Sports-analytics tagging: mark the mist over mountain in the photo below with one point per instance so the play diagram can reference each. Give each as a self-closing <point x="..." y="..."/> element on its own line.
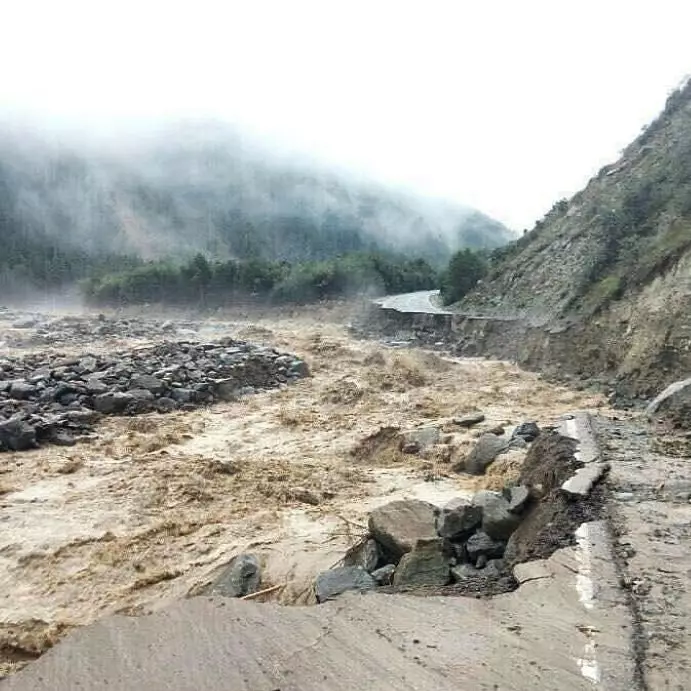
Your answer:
<point x="194" y="187"/>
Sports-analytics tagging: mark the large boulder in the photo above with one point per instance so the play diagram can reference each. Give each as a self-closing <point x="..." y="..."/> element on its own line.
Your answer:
<point x="17" y="435"/>
<point x="112" y="402"/>
<point x="674" y="402"/>
<point x="241" y="577"/>
<point x="458" y="518"/>
<point x="22" y="390"/>
<point x="528" y="431"/>
<point x="397" y="526"/>
<point x="333" y="582"/>
<point x="150" y="383"/>
<point x="498" y="521"/>
<point x="426" y="564"/>
<point x="487" y="448"/>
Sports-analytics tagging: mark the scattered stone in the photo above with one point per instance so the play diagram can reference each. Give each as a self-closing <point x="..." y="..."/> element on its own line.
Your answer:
<point x="145" y="381"/>
<point x="426" y="564"/>
<point x="463" y="571"/>
<point x="365" y="554"/>
<point x="487" y="448"/>
<point x="22" y="390"/>
<point x="423" y="438"/>
<point x="497" y="431"/>
<point x="397" y="526"/>
<point x="241" y="577"/>
<point x="482" y="544"/>
<point x="332" y="583"/>
<point x="469" y="420"/>
<point x="497" y="519"/>
<point x="112" y="402"/>
<point x="518" y="498"/>
<point x="17" y="435"/>
<point x="458" y="518"/>
<point x="528" y="431"/>
<point x="384" y="575"/>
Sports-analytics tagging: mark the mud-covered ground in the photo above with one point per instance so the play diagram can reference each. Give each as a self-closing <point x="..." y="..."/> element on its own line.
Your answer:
<point x="153" y="506"/>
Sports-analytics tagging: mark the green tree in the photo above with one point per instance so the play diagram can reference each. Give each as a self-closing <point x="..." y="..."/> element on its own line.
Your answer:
<point x="465" y="269"/>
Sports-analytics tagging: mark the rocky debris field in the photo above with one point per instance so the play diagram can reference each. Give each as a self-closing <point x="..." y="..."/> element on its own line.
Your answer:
<point x="56" y="398"/>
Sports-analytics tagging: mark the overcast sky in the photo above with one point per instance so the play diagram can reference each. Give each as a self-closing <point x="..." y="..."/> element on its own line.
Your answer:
<point x="506" y="105"/>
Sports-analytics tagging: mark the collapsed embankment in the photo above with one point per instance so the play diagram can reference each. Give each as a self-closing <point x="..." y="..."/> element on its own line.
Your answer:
<point x="629" y="363"/>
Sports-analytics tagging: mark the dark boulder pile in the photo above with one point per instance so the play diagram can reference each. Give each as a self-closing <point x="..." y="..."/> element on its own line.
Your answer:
<point x="414" y="544"/>
<point x="48" y="398"/>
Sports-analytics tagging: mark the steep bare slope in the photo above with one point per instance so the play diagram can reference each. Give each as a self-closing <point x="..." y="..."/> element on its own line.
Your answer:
<point x="608" y="273"/>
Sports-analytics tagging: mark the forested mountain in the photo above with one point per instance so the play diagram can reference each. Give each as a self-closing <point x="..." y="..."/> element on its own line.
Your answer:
<point x="199" y="187"/>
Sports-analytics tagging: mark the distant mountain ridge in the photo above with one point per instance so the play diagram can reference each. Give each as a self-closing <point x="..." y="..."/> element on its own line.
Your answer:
<point x="198" y="187"/>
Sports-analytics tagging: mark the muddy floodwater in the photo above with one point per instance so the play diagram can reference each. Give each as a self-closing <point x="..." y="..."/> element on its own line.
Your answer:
<point x="152" y="506"/>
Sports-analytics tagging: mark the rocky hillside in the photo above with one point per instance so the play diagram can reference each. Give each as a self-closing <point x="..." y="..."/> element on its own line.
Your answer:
<point x="608" y="272"/>
<point x="200" y="187"/>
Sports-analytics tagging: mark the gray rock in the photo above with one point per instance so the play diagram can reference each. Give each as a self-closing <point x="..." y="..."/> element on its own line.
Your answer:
<point x="140" y="395"/>
<point x="22" y="390"/>
<point x="458" y="518"/>
<point x="183" y="395"/>
<point x="518" y="498"/>
<point x="241" y="577"/>
<point x="494" y="568"/>
<point x="330" y="584"/>
<point x="17" y="435"/>
<point x="299" y="368"/>
<point x="165" y="405"/>
<point x="469" y="420"/>
<point x="481" y="562"/>
<point x="675" y="400"/>
<point x="397" y="526"/>
<point x="146" y="381"/>
<point x="424" y="437"/>
<point x="528" y="431"/>
<point x="497" y="519"/>
<point x="482" y="544"/>
<point x="426" y="564"/>
<point x="112" y="402"/>
<point x="487" y="448"/>
<point x="227" y="390"/>
<point x="463" y="572"/>
<point x="87" y="365"/>
<point x="384" y="575"/>
<point x="366" y="554"/>
<point x="95" y="386"/>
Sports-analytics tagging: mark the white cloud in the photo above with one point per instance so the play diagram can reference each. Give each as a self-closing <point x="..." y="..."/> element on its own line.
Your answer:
<point x="503" y="105"/>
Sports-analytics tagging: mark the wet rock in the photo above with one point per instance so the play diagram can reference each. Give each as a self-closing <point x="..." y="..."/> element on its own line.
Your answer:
<point x="384" y="575"/>
<point x="497" y="519"/>
<point x="148" y="382"/>
<point x="87" y="365"/>
<point x="469" y="420"/>
<point x="481" y="561"/>
<point x="528" y="431"/>
<point x="62" y="439"/>
<point x="166" y="405"/>
<point x="494" y="568"/>
<point x="426" y="564"/>
<point x="518" y="498"/>
<point x="299" y="368"/>
<point x="182" y="395"/>
<point x="462" y="572"/>
<point x="487" y="448"/>
<point x="22" y="390"/>
<point x="397" y="526"/>
<point x="365" y="554"/>
<point x="458" y="518"/>
<point x="330" y="584"/>
<point x="482" y="544"/>
<point x="241" y="577"/>
<point x="17" y="435"/>
<point x="96" y="386"/>
<point x="305" y="495"/>
<point x="421" y="438"/>
<point x="112" y="402"/>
